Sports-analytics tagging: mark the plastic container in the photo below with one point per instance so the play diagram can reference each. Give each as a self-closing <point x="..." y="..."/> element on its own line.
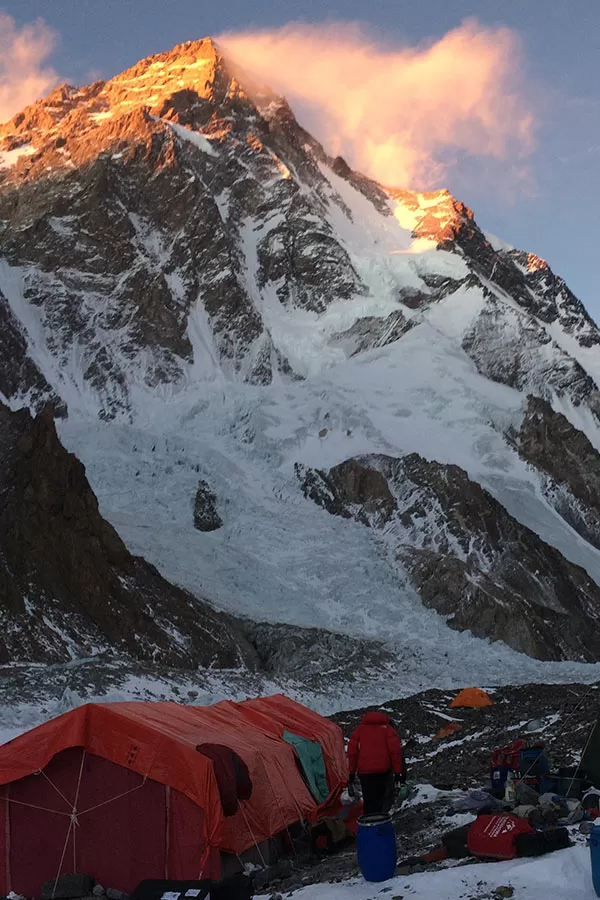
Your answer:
<point x="595" y="856"/>
<point x="376" y="847"/>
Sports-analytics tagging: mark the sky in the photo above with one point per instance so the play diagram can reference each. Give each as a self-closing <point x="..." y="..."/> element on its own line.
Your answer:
<point x="497" y="100"/>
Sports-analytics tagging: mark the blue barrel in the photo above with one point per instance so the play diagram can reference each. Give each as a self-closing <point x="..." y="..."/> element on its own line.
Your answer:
<point x="595" y="854"/>
<point x="376" y="847"/>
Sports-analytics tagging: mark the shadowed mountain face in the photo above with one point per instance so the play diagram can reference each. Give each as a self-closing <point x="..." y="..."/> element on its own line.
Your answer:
<point x="180" y="260"/>
<point x="68" y="585"/>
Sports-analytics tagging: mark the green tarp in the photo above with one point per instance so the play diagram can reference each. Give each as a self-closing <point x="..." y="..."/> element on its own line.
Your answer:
<point x="311" y="759"/>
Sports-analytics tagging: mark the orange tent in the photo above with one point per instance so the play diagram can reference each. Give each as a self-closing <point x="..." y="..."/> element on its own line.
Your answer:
<point x="126" y="791"/>
<point x="471" y="697"/>
<point x="447" y="730"/>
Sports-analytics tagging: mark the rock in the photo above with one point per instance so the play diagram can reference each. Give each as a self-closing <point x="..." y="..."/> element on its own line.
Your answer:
<point x="504" y="891"/>
<point x="68" y="887"/>
<point x="370" y="332"/>
<point x="467" y="556"/>
<point x="547" y="440"/>
<point x="304" y="652"/>
<point x="515" y="349"/>
<point x="206" y="517"/>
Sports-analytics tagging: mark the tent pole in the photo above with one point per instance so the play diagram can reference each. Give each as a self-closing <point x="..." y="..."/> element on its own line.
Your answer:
<point x="7" y="838"/>
<point x="167" y="829"/>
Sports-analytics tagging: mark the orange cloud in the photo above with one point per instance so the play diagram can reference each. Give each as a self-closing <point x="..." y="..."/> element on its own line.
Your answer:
<point x="23" y="76"/>
<point x="405" y="115"/>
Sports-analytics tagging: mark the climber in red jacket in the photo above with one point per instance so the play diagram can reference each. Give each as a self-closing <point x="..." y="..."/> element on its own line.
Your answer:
<point x="375" y="754"/>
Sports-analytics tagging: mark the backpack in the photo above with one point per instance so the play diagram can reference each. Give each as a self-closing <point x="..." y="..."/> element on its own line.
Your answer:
<point x="494" y="836"/>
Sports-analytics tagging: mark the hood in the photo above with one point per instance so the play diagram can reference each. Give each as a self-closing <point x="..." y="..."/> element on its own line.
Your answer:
<point x="375" y="718"/>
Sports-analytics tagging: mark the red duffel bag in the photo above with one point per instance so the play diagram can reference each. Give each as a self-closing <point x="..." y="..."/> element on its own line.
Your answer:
<point x="493" y="836"/>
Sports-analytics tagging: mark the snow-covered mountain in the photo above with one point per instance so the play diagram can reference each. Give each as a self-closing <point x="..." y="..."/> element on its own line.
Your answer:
<point x="220" y="312"/>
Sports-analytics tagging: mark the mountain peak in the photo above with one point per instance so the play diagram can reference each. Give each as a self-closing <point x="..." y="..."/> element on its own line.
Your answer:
<point x="72" y="125"/>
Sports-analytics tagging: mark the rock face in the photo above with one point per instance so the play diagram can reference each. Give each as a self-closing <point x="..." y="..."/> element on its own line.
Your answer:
<point x="206" y="516"/>
<point x="68" y="585"/>
<point x="181" y="200"/>
<point x="569" y="462"/>
<point x="468" y="558"/>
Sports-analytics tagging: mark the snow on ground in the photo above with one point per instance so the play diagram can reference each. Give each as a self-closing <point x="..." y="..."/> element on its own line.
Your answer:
<point x="563" y="875"/>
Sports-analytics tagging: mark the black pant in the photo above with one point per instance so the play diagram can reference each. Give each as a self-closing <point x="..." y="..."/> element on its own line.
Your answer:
<point x="378" y="792"/>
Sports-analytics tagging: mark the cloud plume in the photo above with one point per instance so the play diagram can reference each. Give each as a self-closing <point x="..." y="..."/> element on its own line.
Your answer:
<point x="23" y="75"/>
<point x="403" y="115"/>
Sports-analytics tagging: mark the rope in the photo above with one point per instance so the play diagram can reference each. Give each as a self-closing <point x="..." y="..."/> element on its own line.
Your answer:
<point x="571" y="714"/>
<point x="243" y="811"/>
<point x="73" y="823"/>
<point x="581" y="702"/>
<point x="283" y="822"/>
<point x="112" y="799"/>
<point x="52" y="785"/>
<point x="56" y="812"/>
<point x="74" y="811"/>
<point x="587" y="744"/>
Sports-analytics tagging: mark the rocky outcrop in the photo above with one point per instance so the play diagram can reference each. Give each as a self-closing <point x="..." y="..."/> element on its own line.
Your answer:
<point x="206" y="515"/>
<point x="569" y="462"/>
<point x="466" y="556"/>
<point x="68" y="585"/>
<point x="513" y="348"/>
<point x="315" y="656"/>
<point x="370" y="332"/>
<point x="19" y="375"/>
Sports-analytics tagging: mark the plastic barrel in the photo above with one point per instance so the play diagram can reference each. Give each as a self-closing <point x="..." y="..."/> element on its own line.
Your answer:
<point x="376" y="847"/>
<point x="595" y="854"/>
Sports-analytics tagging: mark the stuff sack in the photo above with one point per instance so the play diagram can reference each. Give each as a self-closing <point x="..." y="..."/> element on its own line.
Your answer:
<point x="494" y="836"/>
<point x="498" y="776"/>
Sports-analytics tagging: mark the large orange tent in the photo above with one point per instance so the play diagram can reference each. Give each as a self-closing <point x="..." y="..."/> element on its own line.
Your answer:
<point x="127" y="791"/>
<point x="474" y="698"/>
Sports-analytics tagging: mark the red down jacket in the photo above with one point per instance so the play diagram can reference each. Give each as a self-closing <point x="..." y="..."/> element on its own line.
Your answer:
<point x="494" y="836"/>
<point x="375" y="747"/>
